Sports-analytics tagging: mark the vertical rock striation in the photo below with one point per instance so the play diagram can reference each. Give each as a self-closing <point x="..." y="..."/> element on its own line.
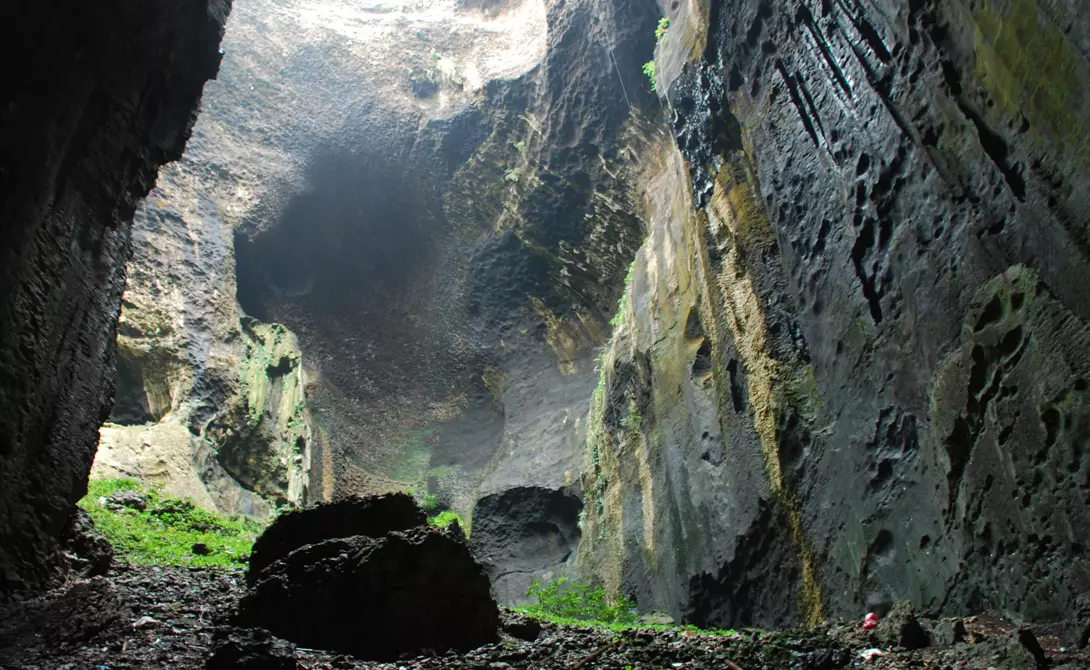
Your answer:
<point x="96" y="96"/>
<point x="853" y="369"/>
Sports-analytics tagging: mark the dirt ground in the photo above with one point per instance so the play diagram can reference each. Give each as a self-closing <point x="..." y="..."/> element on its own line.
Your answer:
<point x="150" y="617"/>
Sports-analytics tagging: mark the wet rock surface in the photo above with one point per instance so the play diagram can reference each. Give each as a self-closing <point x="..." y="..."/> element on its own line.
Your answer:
<point x="858" y="358"/>
<point x="524" y="532"/>
<point x="141" y="617"/>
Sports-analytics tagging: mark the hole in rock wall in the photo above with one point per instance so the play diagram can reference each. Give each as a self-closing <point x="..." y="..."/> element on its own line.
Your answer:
<point x="523" y="532"/>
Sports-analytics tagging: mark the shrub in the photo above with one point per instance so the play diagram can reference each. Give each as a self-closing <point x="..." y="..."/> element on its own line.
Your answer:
<point x="559" y="599"/>
<point x="445" y="518"/>
<point x="428" y="502"/>
<point x="660" y="32"/>
<point x="649" y="70"/>
<point x="165" y="530"/>
<point x="661" y="28"/>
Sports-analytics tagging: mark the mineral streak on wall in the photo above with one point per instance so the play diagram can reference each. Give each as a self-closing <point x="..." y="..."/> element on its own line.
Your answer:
<point x="853" y="367"/>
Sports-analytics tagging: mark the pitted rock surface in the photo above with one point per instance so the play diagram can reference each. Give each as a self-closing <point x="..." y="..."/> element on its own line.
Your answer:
<point x="405" y="592"/>
<point x="370" y="517"/>
<point x="878" y="238"/>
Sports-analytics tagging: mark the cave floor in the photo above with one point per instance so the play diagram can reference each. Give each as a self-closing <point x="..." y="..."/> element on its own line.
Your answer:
<point x="147" y="617"/>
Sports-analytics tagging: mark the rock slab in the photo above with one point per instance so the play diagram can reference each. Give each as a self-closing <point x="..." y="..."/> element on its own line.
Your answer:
<point x="86" y="550"/>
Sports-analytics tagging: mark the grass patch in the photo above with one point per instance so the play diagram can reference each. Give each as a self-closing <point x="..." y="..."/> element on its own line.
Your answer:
<point x="561" y="600"/>
<point x="166" y="529"/>
<point x="572" y="604"/>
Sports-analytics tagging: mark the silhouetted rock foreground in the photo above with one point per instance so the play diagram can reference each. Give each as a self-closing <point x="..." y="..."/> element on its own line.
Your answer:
<point x="148" y="617"/>
<point x="373" y="516"/>
<point x="368" y="577"/>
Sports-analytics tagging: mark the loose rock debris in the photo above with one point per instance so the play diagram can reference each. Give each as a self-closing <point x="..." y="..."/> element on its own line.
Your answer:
<point x="89" y="625"/>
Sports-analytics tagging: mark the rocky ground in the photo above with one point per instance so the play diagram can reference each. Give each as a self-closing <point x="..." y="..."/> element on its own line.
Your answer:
<point x="142" y="617"/>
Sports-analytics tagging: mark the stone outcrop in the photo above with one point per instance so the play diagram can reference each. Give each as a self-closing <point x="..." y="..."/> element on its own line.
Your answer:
<point x="250" y="649"/>
<point x="87" y="552"/>
<point x="96" y="97"/>
<point x="379" y="593"/>
<point x="211" y="404"/>
<point x="522" y="533"/>
<point x="374" y="517"/>
<point x="851" y="367"/>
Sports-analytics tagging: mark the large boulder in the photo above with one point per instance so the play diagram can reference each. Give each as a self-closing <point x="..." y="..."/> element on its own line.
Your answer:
<point x="372" y="516"/>
<point x="373" y="595"/>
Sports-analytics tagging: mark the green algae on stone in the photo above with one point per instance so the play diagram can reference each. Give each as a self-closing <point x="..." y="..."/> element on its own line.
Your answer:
<point x="1031" y="68"/>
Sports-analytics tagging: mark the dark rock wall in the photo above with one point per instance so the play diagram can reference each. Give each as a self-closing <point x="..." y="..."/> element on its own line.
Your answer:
<point x="918" y="384"/>
<point x="95" y="97"/>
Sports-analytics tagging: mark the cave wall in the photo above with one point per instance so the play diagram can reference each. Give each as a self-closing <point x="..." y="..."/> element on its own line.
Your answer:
<point x="95" y="97"/>
<point x="885" y="252"/>
<point x="435" y="203"/>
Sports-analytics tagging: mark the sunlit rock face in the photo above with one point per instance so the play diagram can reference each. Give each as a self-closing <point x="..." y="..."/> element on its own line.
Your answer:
<point x="434" y="199"/>
<point x="852" y="366"/>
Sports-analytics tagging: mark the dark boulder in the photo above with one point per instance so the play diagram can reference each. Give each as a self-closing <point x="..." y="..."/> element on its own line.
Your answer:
<point x="521" y="626"/>
<point x="373" y="516"/>
<point x="522" y="533"/>
<point x="250" y="649"/>
<point x="375" y="596"/>
<point x="900" y="628"/>
<point x="86" y="551"/>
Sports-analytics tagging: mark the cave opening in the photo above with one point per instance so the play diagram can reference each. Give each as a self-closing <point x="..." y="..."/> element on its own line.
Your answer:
<point x="393" y="316"/>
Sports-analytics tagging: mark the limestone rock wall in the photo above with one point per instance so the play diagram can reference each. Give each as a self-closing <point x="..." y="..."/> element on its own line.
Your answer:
<point x="95" y="97"/>
<point x="852" y="368"/>
<point x="435" y="203"/>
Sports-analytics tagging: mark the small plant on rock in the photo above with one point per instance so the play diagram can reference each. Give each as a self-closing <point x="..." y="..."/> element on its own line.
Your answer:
<point x="649" y="70"/>
<point x="445" y="518"/>
<point x="661" y="28"/>
<point x="660" y="33"/>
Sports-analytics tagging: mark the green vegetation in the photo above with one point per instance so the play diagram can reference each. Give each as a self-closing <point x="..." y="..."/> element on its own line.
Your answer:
<point x="660" y="33"/>
<point x="661" y="28"/>
<point x="166" y="530"/>
<point x="559" y="600"/>
<point x="622" y="302"/>
<point x="573" y="604"/>
<point x="649" y="70"/>
<point x="445" y="518"/>
<point x="428" y="502"/>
